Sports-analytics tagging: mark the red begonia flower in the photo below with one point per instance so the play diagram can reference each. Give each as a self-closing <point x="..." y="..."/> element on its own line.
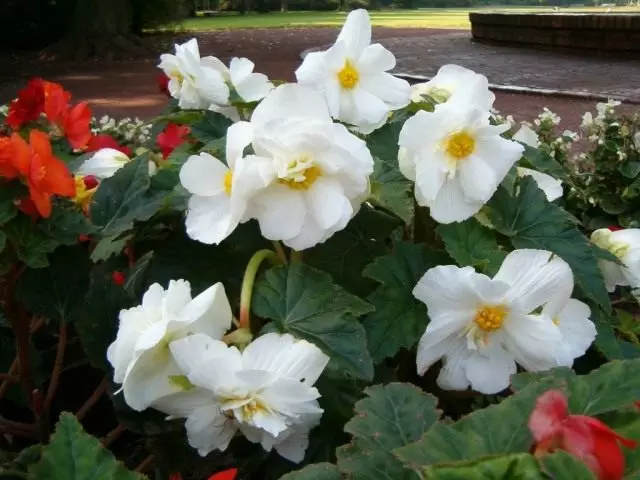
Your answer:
<point x="29" y="104"/>
<point x="163" y="83"/>
<point x="171" y="138"/>
<point x="98" y="142"/>
<point x="225" y="475"/>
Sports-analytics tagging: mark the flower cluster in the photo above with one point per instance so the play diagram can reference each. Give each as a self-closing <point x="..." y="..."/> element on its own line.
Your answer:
<point x="170" y="355"/>
<point x="126" y="131"/>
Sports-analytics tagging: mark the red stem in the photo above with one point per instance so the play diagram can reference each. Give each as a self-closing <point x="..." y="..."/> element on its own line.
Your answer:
<point x="113" y="435"/>
<point x="57" y="366"/>
<point x="93" y="399"/>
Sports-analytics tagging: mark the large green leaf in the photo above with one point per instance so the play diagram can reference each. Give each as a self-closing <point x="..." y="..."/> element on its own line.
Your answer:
<point x="96" y="318"/>
<point x="398" y="319"/>
<point x="306" y="303"/>
<point x="469" y="243"/>
<point x="30" y="243"/>
<point x="346" y="253"/>
<point x="532" y="222"/>
<point x="631" y="429"/>
<point x="614" y="385"/>
<point x="391" y="416"/>
<point x="543" y="162"/>
<point x="498" y="429"/>
<point x="389" y="188"/>
<point x="521" y="466"/>
<point x="318" y="471"/>
<point x="9" y="192"/>
<point x="124" y="198"/>
<point x="562" y="466"/>
<point x="54" y="292"/>
<point x="606" y="340"/>
<point x="66" y="223"/>
<point x="73" y="454"/>
<point x="211" y="127"/>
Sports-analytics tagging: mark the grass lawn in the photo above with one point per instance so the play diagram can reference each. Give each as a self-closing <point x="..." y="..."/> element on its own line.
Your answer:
<point x="423" y="18"/>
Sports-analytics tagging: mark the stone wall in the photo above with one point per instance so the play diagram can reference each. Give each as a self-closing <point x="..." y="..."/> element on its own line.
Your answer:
<point x="595" y="32"/>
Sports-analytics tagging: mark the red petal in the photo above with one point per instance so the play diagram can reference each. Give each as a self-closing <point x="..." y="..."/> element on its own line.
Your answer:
<point x="171" y="138"/>
<point x="602" y="430"/>
<point x="225" y="475"/>
<point x="547" y="416"/>
<point x="90" y="182"/>
<point x="614" y="228"/>
<point x="118" y="278"/>
<point x="77" y="126"/>
<point x="98" y="142"/>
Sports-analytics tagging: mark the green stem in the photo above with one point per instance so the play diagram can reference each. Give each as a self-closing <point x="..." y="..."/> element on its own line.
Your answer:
<point x="248" y="281"/>
<point x="296" y="256"/>
<point x="277" y="246"/>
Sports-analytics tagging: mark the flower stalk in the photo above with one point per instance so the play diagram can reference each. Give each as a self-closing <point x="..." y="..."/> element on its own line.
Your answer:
<point x="248" y="280"/>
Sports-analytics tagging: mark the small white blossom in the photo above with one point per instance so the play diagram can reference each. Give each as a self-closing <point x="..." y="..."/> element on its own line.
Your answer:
<point x="456" y="159"/>
<point x="454" y="83"/>
<point x="527" y="136"/>
<point x="353" y="76"/>
<point x="266" y="392"/>
<point x="625" y="245"/>
<point x="140" y="354"/>
<point x="482" y="327"/>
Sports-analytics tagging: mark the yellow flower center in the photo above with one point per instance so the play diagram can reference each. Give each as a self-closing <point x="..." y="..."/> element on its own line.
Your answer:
<point x="490" y="318"/>
<point x="228" y="179"/>
<point x="348" y="76"/>
<point x="440" y="95"/>
<point x="304" y="179"/>
<point x="252" y="408"/>
<point x="602" y="238"/>
<point x="459" y="145"/>
<point x="83" y="194"/>
<point x="175" y="74"/>
<point x="556" y="321"/>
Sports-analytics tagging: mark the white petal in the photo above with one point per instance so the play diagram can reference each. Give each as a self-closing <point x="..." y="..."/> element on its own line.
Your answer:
<point x="290" y="100"/>
<point x="327" y="202"/>
<point x="490" y="371"/>
<point x="533" y="340"/>
<point x="453" y="373"/>
<point x="375" y="59"/>
<point x="240" y="68"/>
<point x="578" y="332"/>
<point x="208" y="429"/>
<point x="501" y="154"/>
<point x="103" y="164"/>
<point x="612" y="274"/>
<point x="121" y="352"/>
<point x="407" y="164"/>
<point x="283" y="354"/>
<point x="211" y="87"/>
<point x="477" y="179"/>
<point x="282" y="212"/>
<point x="183" y="404"/>
<point x="310" y="235"/>
<point x="193" y="350"/>
<point x="209" y="313"/>
<point x="356" y="32"/>
<point x="527" y="136"/>
<point x="440" y="337"/>
<point x="451" y="205"/>
<point x="210" y="219"/>
<point x="147" y="379"/>
<point x="153" y="297"/>
<point x="177" y="296"/>
<point x="362" y="108"/>
<point x="534" y="277"/>
<point x="294" y="446"/>
<point x="395" y="92"/>
<point x="203" y="175"/>
<point x="239" y="137"/>
<point x="551" y="186"/>
<point x="312" y="71"/>
<point x="447" y="288"/>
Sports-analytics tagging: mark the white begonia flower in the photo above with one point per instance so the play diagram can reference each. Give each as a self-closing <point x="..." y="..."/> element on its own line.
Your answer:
<point x="454" y="83"/>
<point x="551" y="186"/>
<point x="316" y="172"/>
<point x="194" y="83"/>
<point x="481" y="327"/>
<point x="571" y="317"/>
<point x="266" y="392"/>
<point x="103" y="163"/>
<point x="106" y="162"/>
<point x="140" y="354"/>
<point x="250" y="86"/>
<point x="587" y="120"/>
<point x="456" y="158"/>
<point x="353" y="77"/>
<point x="624" y="244"/>
<point x="636" y="140"/>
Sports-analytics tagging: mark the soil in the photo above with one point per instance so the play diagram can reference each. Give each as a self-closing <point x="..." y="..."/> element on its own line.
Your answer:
<point x="128" y="88"/>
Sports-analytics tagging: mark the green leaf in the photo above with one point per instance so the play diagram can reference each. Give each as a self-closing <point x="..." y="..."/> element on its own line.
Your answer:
<point x="614" y="385"/>
<point x="212" y="127"/>
<point x="31" y="244"/>
<point x="562" y="466"/>
<point x="181" y="117"/>
<point x="631" y="429"/>
<point x="389" y="188"/>
<point x="498" y="429"/>
<point x="521" y="466"/>
<point x="137" y="275"/>
<point x="543" y="162"/>
<point x="109" y="246"/>
<point x="532" y="222"/>
<point x="607" y="342"/>
<point x="469" y="243"/>
<point x="318" y="471"/>
<point x="73" y="454"/>
<point x="66" y="223"/>
<point x="96" y="318"/>
<point x="629" y="169"/>
<point x="3" y="241"/>
<point x="124" y="198"/>
<point x="398" y="319"/>
<point x="54" y="292"/>
<point x="347" y="252"/>
<point x="9" y="192"/>
<point x="391" y="416"/>
<point x="306" y="303"/>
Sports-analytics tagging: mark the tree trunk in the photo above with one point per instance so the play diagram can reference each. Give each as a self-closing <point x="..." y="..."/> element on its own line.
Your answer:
<point x="98" y="28"/>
